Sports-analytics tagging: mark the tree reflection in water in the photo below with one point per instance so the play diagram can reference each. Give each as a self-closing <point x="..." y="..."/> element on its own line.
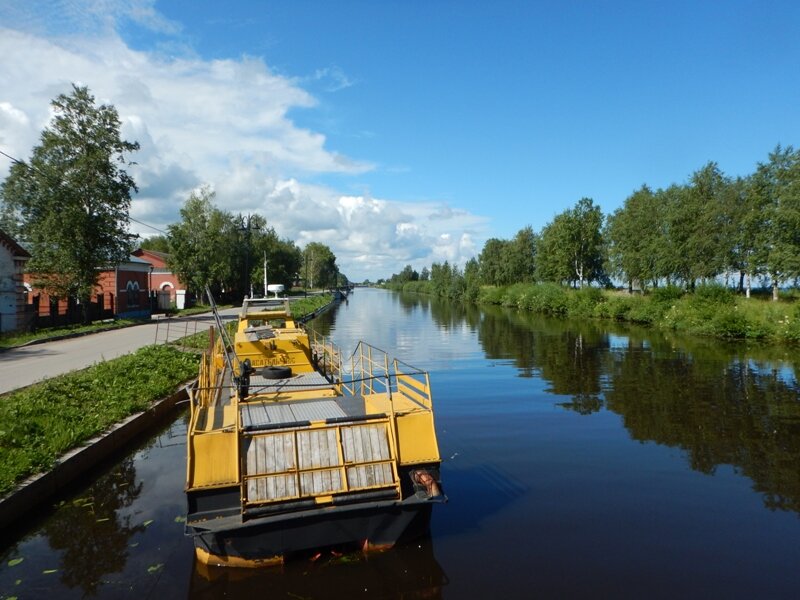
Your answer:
<point x="91" y="532"/>
<point x="722" y="404"/>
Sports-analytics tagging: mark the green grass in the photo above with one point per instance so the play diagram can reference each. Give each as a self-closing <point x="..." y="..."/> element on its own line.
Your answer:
<point x="306" y="306"/>
<point x="195" y="310"/>
<point x="40" y="423"/>
<point x="199" y="341"/>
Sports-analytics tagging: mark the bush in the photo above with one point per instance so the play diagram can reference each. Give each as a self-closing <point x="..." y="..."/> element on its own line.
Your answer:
<point x="582" y="302"/>
<point x="714" y="294"/>
<point x="666" y="295"/>
<point x="619" y="307"/>
<point x="491" y="295"/>
<point x="645" y="311"/>
<point x="548" y="298"/>
<point x="730" y="323"/>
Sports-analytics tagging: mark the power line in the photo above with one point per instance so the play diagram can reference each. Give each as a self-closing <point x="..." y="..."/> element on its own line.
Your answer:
<point x="146" y="225"/>
<point x="32" y="168"/>
<point x="16" y="160"/>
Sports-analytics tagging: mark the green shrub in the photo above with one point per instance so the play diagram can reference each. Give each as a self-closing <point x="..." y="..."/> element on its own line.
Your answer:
<point x="666" y="295"/>
<point x="714" y="294"/>
<point x="582" y="302"/>
<point x="515" y="295"/>
<point x="729" y="323"/>
<point x="549" y="299"/>
<point x="619" y="307"/>
<point x="491" y="294"/>
<point x="645" y="311"/>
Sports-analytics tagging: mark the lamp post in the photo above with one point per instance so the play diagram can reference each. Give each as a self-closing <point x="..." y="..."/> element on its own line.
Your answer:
<point x="245" y="225"/>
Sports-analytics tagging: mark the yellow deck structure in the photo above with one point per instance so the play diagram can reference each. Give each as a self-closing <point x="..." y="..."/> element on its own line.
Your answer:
<point x="283" y="429"/>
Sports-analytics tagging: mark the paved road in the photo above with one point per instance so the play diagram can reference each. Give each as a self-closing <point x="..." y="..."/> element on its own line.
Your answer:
<point x="23" y="366"/>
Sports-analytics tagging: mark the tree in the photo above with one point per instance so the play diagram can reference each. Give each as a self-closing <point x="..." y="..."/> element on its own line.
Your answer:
<point x="472" y="281"/>
<point x="319" y="263"/>
<point x="633" y="237"/>
<point x="492" y="259"/>
<point x="404" y="276"/>
<point x="284" y="258"/>
<point x="571" y="247"/>
<point x="775" y="193"/>
<point x="157" y="243"/>
<point x="202" y="244"/>
<point x="71" y="202"/>
<point x="700" y="236"/>
<point x="520" y="256"/>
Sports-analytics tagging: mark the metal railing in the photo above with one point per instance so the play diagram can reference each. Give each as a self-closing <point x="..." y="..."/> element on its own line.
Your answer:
<point x="370" y="371"/>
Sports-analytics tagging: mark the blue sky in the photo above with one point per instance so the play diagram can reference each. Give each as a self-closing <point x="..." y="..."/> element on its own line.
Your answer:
<point x="410" y="132"/>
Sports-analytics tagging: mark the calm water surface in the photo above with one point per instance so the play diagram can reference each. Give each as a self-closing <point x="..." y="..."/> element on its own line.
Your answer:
<point x="580" y="461"/>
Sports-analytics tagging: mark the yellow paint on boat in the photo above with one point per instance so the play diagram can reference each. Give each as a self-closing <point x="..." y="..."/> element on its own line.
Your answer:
<point x="282" y="422"/>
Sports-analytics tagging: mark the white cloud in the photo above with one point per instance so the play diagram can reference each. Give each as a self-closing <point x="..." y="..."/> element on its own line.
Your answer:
<point x="334" y="79"/>
<point x="219" y="122"/>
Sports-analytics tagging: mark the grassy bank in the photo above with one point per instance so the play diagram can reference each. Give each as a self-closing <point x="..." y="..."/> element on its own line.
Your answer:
<point x="306" y="306"/>
<point x="40" y="423"/>
<point x="710" y="311"/>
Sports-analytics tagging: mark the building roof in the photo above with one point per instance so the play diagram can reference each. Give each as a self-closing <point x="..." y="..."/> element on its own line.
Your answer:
<point x="135" y="259"/>
<point x="17" y="250"/>
<point x="158" y="257"/>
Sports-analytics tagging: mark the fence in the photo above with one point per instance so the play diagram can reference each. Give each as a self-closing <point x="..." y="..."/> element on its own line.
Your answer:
<point x="43" y="311"/>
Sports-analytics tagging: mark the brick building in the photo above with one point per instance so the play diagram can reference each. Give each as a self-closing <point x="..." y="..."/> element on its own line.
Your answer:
<point x="170" y="289"/>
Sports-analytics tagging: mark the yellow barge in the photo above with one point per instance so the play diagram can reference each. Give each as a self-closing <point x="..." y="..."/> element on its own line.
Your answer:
<point x="292" y="447"/>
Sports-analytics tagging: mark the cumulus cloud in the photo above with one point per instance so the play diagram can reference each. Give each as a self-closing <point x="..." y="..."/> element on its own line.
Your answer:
<point x="223" y="123"/>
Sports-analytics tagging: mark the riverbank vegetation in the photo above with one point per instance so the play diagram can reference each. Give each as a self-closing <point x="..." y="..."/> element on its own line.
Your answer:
<point x="689" y="258"/>
<point x="42" y="422"/>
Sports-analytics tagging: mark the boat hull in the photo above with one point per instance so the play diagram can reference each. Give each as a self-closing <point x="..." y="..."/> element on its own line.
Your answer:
<point x="269" y="540"/>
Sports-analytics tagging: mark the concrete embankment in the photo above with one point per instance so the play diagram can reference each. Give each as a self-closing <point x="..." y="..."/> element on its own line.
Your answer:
<point x="37" y="489"/>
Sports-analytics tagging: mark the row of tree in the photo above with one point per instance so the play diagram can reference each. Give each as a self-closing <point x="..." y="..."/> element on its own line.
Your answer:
<point x="228" y="252"/>
<point x="712" y="228"/>
<point x="70" y="203"/>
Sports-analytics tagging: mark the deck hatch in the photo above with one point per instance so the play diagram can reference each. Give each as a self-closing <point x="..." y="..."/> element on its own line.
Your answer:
<point x="320" y="461"/>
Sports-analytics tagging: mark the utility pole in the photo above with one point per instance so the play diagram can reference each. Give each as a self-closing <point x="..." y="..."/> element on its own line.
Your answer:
<point x="265" y="273"/>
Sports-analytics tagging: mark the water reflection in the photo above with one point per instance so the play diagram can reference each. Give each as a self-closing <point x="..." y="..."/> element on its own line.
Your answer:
<point x="409" y="571"/>
<point x="91" y="532"/>
<point x="734" y="414"/>
<point x="720" y="403"/>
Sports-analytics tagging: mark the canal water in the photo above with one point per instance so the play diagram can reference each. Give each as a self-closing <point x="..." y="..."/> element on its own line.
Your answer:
<point x="581" y="459"/>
